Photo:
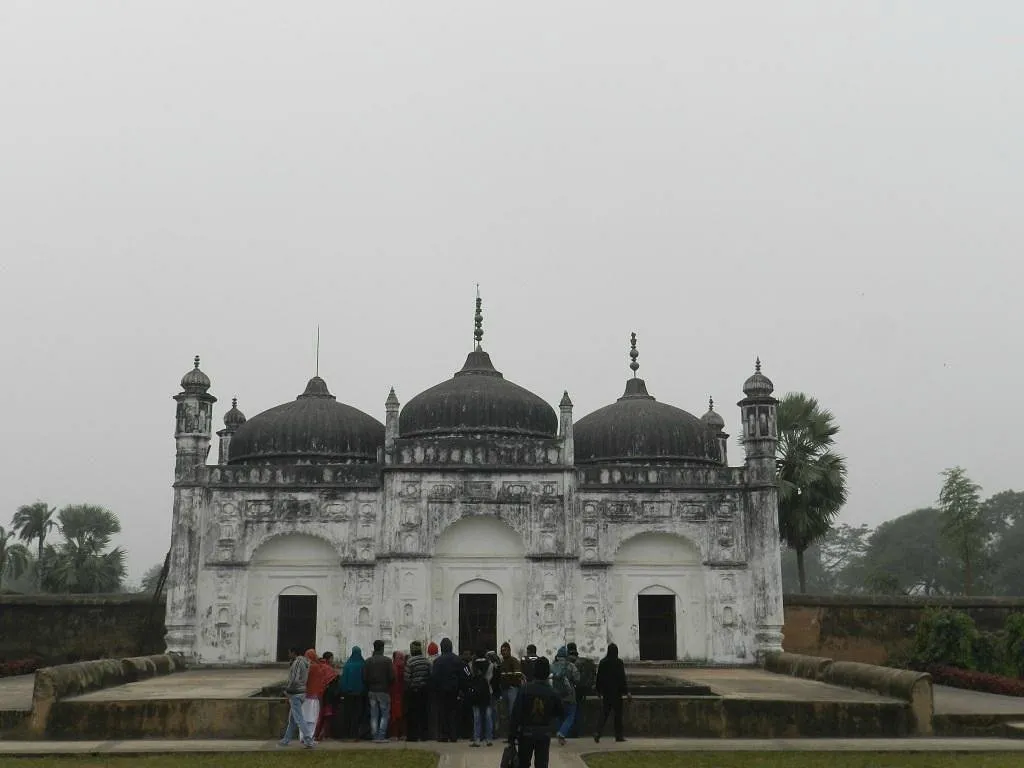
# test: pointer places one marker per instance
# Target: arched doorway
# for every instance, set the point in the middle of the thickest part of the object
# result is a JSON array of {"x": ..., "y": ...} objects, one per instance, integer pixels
[
  {"x": 290, "y": 577},
  {"x": 478, "y": 583},
  {"x": 658, "y": 587}
]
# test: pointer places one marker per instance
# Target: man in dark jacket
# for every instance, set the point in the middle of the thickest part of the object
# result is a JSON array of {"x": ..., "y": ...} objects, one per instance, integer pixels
[
  {"x": 378, "y": 674},
  {"x": 611, "y": 686},
  {"x": 449, "y": 677},
  {"x": 417, "y": 682},
  {"x": 295, "y": 692},
  {"x": 534, "y": 714}
]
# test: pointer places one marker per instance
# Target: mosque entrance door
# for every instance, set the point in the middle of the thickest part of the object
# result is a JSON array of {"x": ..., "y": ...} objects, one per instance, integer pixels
[
  {"x": 657, "y": 624},
  {"x": 296, "y": 623},
  {"x": 478, "y": 622}
]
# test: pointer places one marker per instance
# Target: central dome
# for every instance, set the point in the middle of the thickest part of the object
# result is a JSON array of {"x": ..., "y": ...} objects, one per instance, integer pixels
[
  {"x": 477, "y": 400},
  {"x": 313, "y": 428}
]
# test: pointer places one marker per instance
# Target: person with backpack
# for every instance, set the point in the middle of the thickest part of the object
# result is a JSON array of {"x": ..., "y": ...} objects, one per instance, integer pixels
[
  {"x": 584, "y": 688},
  {"x": 417, "y": 692},
  {"x": 564, "y": 678},
  {"x": 479, "y": 696},
  {"x": 612, "y": 686},
  {"x": 537, "y": 708}
]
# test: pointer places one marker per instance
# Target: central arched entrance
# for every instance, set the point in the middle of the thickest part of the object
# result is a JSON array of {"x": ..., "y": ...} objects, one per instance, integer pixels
[
  {"x": 478, "y": 578},
  {"x": 658, "y": 610}
]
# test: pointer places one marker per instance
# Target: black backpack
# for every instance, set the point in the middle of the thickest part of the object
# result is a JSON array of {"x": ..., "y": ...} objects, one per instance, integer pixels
[{"x": 479, "y": 690}]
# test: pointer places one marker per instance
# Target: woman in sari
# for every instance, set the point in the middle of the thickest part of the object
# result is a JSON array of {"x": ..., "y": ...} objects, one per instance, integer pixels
[
  {"x": 320, "y": 676},
  {"x": 397, "y": 689}
]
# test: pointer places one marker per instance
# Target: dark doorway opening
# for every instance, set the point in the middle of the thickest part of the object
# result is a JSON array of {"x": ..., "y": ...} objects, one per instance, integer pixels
[
  {"x": 478, "y": 623},
  {"x": 657, "y": 614},
  {"x": 296, "y": 623}
]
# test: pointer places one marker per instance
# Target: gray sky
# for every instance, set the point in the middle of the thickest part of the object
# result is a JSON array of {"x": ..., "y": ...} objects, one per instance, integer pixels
[{"x": 835, "y": 187}]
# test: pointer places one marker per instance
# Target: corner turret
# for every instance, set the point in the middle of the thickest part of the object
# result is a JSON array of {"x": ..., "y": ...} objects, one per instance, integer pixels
[{"x": 193, "y": 424}]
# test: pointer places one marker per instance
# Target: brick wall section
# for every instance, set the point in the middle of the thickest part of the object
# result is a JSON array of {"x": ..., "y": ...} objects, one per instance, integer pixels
[
  {"x": 67, "y": 628},
  {"x": 871, "y": 629}
]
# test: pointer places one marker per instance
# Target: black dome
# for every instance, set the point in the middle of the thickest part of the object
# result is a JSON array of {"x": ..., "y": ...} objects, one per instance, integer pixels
[
  {"x": 638, "y": 429},
  {"x": 477, "y": 400},
  {"x": 314, "y": 427}
]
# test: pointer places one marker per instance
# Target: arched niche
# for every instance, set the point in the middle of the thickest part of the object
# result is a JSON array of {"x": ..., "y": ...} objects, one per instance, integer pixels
[
  {"x": 479, "y": 538},
  {"x": 657, "y": 589},
  {"x": 295, "y": 549},
  {"x": 657, "y": 549}
]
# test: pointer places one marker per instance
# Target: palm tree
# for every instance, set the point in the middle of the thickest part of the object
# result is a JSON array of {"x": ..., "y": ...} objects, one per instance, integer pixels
[
  {"x": 80, "y": 564},
  {"x": 14, "y": 557},
  {"x": 811, "y": 476},
  {"x": 33, "y": 522}
]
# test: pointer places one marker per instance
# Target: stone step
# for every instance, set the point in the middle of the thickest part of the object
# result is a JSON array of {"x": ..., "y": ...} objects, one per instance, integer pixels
[{"x": 1014, "y": 730}]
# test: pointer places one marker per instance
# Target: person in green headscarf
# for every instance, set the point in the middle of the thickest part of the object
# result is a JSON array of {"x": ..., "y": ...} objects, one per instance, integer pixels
[{"x": 353, "y": 692}]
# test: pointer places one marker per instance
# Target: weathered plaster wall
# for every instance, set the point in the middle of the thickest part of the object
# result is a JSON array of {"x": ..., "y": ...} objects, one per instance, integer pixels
[
  {"x": 873, "y": 629},
  {"x": 67, "y": 628}
]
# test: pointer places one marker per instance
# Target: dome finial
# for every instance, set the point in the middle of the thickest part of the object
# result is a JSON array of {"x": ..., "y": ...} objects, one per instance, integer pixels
[
  {"x": 196, "y": 361},
  {"x": 757, "y": 364},
  {"x": 234, "y": 402},
  {"x": 711, "y": 403},
  {"x": 478, "y": 332},
  {"x": 633, "y": 354}
]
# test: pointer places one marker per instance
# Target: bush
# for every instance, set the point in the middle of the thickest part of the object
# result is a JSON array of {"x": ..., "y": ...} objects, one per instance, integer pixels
[
  {"x": 19, "y": 667},
  {"x": 1013, "y": 644},
  {"x": 975, "y": 681},
  {"x": 945, "y": 638},
  {"x": 987, "y": 651}
]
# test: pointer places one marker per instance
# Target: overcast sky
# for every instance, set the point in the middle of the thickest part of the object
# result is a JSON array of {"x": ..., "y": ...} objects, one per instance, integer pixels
[{"x": 835, "y": 187}]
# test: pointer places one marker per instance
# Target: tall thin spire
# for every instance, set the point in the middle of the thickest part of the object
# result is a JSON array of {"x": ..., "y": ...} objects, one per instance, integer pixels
[
  {"x": 633, "y": 354},
  {"x": 757, "y": 364},
  {"x": 316, "y": 364},
  {"x": 711, "y": 403},
  {"x": 478, "y": 332}
]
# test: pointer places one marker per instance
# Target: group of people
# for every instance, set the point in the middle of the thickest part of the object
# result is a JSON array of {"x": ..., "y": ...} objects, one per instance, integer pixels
[{"x": 439, "y": 695}]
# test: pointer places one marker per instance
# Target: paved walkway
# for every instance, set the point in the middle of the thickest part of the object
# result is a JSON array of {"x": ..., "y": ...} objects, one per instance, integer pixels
[
  {"x": 16, "y": 692},
  {"x": 751, "y": 683},
  {"x": 462, "y": 756},
  {"x": 956, "y": 701}
]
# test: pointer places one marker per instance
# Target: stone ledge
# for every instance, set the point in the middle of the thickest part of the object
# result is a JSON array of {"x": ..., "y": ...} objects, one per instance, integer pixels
[
  {"x": 797, "y": 665},
  {"x": 52, "y": 684}
]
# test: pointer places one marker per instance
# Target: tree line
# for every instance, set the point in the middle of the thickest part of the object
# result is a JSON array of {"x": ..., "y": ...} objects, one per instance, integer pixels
[
  {"x": 66, "y": 551},
  {"x": 963, "y": 545}
]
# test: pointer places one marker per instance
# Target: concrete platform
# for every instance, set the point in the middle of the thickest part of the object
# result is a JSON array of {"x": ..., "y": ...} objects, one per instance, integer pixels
[
  {"x": 194, "y": 684},
  {"x": 16, "y": 693}
]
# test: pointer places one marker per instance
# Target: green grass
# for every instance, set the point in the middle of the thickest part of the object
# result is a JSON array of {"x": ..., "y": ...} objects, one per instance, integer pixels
[
  {"x": 806, "y": 760},
  {"x": 282, "y": 759}
]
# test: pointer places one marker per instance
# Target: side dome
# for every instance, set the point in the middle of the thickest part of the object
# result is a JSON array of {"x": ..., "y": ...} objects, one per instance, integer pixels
[
  {"x": 637, "y": 429},
  {"x": 477, "y": 400},
  {"x": 314, "y": 428}
]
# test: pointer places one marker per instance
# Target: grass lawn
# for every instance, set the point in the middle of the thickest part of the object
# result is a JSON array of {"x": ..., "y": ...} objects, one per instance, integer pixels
[
  {"x": 806, "y": 760},
  {"x": 282, "y": 759}
]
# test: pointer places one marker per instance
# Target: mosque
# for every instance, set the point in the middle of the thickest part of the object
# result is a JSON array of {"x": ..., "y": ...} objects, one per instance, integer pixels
[{"x": 476, "y": 512}]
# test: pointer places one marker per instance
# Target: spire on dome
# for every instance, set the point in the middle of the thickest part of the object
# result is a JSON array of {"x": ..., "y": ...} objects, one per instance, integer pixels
[
  {"x": 633, "y": 354},
  {"x": 478, "y": 332}
]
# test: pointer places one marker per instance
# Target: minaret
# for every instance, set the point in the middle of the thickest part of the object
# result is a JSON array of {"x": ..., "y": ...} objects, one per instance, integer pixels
[
  {"x": 233, "y": 419},
  {"x": 390, "y": 426},
  {"x": 716, "y": 424},
  {"x": 194, "y": 422},
  {"x": 565, "y": 429},
  {"x": 760, "y": 440},
  {"x": 192, "y": 436}
]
